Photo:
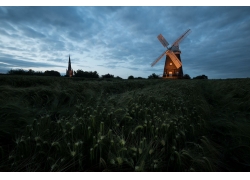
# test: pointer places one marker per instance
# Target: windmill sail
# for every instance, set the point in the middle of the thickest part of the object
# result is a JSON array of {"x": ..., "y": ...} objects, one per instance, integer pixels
[
  {"x": 162, "y": 40},
  {"x": 175, "y": 60},
  {"x": 178, "y": 41},
  {"x": 158, "y": 59}
]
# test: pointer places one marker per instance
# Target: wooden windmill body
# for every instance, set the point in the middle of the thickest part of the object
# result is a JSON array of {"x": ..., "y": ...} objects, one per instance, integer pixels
[
  {"x": 171, "y": 70},
  {"x": 173, "y": 65}
]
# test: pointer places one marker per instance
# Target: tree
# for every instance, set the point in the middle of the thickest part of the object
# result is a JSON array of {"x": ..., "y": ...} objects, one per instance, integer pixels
[
  {"x": 51, "y": 73},
  {"x": 108, "y": 76},
  {"x": 186, "y": 76},
  {"x": 86, "y": 74},
  {"x": 38, "y": 73},
  {"x": 201, "y": 77},
  {"x": 16, "y": 72},
  {"x": 153, "y": 76},
  {"x": 131, "y": 77},
  {"x": 31, "y": 72},
  {"x": 118, "y": 77}
]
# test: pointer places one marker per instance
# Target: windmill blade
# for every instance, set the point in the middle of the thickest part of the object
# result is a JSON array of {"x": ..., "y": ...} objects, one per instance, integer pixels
[
  {"x": 176, "y": 43},
  {"x": 158, "y": 59},
  {"x": 162, "y": 40},
  {"x": 174, "y": 58}
]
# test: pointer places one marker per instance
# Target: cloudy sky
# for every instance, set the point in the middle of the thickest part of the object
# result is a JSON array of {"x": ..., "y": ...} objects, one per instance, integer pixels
[{"x": 122, "y": 40}]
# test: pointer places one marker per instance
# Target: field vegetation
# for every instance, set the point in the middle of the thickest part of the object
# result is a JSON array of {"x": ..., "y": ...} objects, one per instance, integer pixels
[{"x": 76, "y": 124}]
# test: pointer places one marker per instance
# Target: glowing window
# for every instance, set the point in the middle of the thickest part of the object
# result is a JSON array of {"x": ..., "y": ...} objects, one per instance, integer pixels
[{"x": 170, "y": 64}]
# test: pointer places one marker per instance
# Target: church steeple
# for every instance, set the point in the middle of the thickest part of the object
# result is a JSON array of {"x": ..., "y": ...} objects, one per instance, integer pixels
[
  {"x": 69, "y": 65},
  {"x": 69, "y": 71}
]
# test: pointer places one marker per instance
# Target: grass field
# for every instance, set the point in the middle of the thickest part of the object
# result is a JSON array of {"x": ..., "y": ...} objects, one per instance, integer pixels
[{"x": 74, "y": 124}]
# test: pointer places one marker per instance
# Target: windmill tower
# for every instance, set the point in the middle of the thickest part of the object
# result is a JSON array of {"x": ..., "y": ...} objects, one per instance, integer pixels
[
  {"x": 173, "y": 65},
  {"x": 69, "y": 71}
]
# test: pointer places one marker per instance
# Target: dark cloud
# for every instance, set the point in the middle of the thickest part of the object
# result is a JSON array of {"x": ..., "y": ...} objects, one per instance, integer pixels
[
  {"x": 29, "y": 32},
  {"x": 125, "y": 37},
  {"x": 9, "y": 61}
]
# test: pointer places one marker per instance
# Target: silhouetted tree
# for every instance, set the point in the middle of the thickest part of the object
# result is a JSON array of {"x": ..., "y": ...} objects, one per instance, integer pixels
[
  {"x": 31, "y": 72},
  {"x": 86, "y": 74},
  {"x": 39, "y": 73},
  {"x": 186, "y": 76},
  {"x": 131, "y": 77},
  {"x": 108, "y": 76},
  {"x": 153, "y": 76},
  {"x": 52, "y": 73},
  {"x": 17, "y": 72},
  {"x": 118, "y": 77},
  {"x": 201, "y": 77}
]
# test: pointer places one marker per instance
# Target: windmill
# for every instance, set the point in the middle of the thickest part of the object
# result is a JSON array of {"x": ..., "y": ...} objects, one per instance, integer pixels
[{"x": 173, "y": 65}]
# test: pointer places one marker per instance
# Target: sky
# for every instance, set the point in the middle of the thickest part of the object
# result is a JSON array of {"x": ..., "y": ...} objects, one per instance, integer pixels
[{"x": 122, "y": 40}]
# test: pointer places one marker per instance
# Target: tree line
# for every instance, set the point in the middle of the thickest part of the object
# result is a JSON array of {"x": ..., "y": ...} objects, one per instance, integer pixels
[
  {"x": 31, "y": 72},
  {"x": 87, "y": 74}
]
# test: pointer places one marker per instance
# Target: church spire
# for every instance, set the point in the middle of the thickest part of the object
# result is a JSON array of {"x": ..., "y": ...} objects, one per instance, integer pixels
[
  {"x": 69, "y": 66},
  {"x": 69, "y": 71}
]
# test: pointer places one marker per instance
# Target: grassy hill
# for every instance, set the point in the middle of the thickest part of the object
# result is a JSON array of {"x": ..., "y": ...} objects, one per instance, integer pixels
[{"x": 75, "y": 124}]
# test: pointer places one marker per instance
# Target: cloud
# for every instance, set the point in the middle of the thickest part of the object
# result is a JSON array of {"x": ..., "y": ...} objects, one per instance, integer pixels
[
  {"x": 29, "y": 32},
  {"x": 105, "y": 39},
  {"x": 9, "y": 61}
]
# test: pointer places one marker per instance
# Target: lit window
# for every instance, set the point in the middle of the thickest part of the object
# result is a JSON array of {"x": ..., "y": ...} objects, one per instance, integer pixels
[{"x": 170, "y": 64}]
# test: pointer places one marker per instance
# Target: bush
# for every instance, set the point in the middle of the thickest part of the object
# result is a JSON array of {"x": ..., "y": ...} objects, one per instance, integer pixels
[
  {"x": 86, "y": 74},
  {"x": 118, "y": 77},
  {"x": 131, "y": 77},
  {"x": 153, "y": 76},
  {"x": 17, "y": 72},
  {"x": 108, "y": 76},
  {"x": 31, "y": 72},
  {"x": 186, "y": 76},
  {"x": 52, "y": 73},
  {"x": 201, "y": 77}
]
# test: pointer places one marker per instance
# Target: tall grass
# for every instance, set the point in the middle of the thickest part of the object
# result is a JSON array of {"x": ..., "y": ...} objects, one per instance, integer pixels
[{"x": 64, "y": 124}]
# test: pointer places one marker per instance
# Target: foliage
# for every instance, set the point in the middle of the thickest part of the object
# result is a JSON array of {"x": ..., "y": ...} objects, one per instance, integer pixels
[
  {"x": 23, "y": 72},
  {"x": 108, "y": 76},
  {"x": 118, "y": 77},
  {"x": 31, "y": 72},
  {"x": 52, "y": 73},
  {"x": 131, "y": 77},
  {"x": 65, "y": 124},
  {"x": 186, "y": 76},
  {"x": 153, "y": 76},
  {"x": 86, "y": 74},
  {"x": 201, "y": 77},
  {"x": 17, "y": 72}
]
